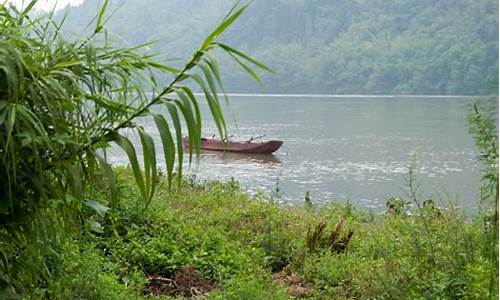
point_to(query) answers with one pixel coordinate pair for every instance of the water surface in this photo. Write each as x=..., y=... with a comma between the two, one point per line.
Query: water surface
x=350, y=149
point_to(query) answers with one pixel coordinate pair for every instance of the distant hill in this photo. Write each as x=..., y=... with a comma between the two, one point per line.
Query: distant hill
x=327, y=46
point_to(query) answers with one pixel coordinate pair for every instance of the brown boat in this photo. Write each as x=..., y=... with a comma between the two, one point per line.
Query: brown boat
x=239, y=147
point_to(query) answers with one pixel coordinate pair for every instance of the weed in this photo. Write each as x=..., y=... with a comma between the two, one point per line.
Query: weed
x=315, y=238
x=396, y=206
x=307, y=200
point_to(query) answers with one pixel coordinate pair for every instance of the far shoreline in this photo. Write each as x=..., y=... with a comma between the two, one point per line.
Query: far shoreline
x=346, y=95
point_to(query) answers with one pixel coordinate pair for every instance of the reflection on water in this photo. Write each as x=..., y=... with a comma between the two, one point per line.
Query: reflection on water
x=231, y=157
x=347, y=148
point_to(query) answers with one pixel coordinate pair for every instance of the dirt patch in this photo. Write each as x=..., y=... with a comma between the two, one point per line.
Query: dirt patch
x=295, y=286
x=186, y=282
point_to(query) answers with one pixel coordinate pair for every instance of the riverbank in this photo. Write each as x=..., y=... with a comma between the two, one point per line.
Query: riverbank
x=212, y=241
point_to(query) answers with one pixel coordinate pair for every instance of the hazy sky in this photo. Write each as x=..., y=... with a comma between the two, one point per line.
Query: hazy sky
x=46, y=4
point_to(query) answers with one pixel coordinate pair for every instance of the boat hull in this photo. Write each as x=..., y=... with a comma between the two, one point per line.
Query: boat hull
x=239, y=147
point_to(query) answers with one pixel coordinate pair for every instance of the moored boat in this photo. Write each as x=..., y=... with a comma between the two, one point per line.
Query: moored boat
x=239, y=147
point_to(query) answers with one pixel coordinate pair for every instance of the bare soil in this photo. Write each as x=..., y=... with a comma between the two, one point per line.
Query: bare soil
x=295, y=286
x=186, y=282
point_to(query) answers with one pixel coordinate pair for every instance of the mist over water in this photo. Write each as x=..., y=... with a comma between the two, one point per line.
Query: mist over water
x=347, y=149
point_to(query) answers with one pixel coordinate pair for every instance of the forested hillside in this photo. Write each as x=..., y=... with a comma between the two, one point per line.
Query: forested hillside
x=328, y=46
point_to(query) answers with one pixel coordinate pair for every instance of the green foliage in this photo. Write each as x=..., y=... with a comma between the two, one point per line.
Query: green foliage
x=396, y=206
x=278, y=245
x=48, y=261
x=251, y=287
x=62, y=104
x=483, y=121
x=392, y=259
x=332, y=46
x=239, y=241
x=484, y=127
x=72, y=227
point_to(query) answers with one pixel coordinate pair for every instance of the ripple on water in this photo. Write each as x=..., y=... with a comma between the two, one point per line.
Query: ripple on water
x=333, y=155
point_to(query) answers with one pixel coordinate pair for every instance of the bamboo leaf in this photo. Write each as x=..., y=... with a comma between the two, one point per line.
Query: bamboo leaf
x=212, y=64
x=98, y=207
x=76, y=180
x=168, y=145
x=26, y=11
x=213, y=105
x=129, y=149
x=108, y=103
x=164, y=67
x=67, y=64
x=189, y=123
x=215, y=99
x=197, y=113
x=194, y=135
x=246, y=68
x=244, y=56
x=100, y=17
x=108, y=172
x=11, y=113
x=223, y=26
x=149, y=154
x=209, y=79
x=91, y=163
x=34, y=122
x=178, y=132
x=233, y=8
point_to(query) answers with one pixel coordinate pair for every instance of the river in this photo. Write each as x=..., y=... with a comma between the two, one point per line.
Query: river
x=354, y=149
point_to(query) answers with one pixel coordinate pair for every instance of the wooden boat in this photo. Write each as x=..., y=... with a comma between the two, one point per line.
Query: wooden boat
x=239, y=147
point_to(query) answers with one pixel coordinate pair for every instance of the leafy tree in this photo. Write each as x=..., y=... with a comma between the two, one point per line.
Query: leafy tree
x=336, y=46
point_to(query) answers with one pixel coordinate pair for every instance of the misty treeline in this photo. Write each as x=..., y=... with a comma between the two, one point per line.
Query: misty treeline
x=328, y=46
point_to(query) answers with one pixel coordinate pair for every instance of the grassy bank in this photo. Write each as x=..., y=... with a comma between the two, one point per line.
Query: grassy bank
x=211, y=240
